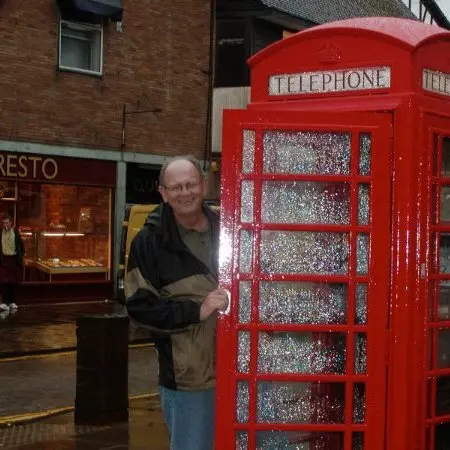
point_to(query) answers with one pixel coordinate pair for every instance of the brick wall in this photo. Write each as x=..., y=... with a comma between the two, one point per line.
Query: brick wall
x=159, y=61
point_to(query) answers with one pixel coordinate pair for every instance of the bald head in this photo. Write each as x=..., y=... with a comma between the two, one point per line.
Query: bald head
x=189, y=159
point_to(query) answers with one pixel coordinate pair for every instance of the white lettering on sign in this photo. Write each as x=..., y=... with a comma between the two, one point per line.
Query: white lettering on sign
x=436, y=81
x=330, y=81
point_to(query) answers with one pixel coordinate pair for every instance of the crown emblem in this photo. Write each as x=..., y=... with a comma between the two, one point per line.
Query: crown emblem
x=329, y=54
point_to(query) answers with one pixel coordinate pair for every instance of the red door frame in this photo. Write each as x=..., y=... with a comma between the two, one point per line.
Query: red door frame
x=380, y=127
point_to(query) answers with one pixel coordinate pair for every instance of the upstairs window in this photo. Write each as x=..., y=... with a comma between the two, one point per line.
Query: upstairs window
x=81, y=47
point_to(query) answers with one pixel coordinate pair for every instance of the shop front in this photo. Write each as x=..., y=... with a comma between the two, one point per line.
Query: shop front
x=62, y=207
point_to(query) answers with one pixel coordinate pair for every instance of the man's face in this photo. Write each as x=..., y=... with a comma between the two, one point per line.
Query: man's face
x=183, y=189
x=6, y=224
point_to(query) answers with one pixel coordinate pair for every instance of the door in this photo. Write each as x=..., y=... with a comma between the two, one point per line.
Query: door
x=305, y=245
x=438, y=286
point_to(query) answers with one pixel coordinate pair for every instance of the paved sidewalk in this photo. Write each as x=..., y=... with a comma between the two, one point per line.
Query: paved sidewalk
x=36, y=384
x=145, y=430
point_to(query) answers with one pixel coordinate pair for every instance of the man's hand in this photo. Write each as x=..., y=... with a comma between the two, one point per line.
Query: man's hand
x=215, y=301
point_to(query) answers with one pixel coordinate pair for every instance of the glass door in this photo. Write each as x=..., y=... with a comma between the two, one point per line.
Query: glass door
x=305, y=254
x=438, y=321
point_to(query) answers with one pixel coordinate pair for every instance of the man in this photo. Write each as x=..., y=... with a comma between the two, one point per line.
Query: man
x=11, y=259
x=171, y=287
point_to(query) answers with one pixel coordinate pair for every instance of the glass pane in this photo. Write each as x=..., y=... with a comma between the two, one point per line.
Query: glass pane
x=358, y=441
x=441, y=436
x=298, y=440
x=445, y=169
x=360, y=353
x=243, y=351
x=445, y=204
x=245, y=251
x=242, y=402
x=444, y=300
x=361, y=304
x=245, y=290
x=304, y=252
x=280, y=352
x=365, y=143
x=8, y=189
x=363, y=204
x=305, y=202
x=362, y=254
x=241, y=440
x=444, y=253
x=359, y=402
x=291, y=302
x=247, y=201
x=248, y=155
x=306, y=152
x=284, y=402
x=443, y=396
x=443, y=349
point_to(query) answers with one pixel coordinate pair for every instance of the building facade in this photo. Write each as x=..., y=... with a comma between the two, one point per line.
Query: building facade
x=92, y=91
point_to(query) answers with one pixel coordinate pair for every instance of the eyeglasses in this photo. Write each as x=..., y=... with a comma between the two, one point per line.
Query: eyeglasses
x=178, y=188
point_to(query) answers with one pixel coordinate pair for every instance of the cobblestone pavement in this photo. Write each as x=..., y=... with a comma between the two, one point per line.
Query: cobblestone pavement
x=145, y=430
x=41, y=383
x=44, y=328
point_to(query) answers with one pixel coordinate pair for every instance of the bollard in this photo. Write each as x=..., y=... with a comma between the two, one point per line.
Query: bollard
x=102, y=369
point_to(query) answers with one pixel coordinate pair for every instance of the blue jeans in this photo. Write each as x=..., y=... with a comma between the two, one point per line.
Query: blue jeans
x=189, y=417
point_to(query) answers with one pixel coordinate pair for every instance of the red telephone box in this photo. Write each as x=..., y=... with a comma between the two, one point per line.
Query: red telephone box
x=336, y=244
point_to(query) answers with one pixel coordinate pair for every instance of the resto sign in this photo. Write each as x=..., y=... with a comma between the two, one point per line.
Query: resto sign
x=370, y=78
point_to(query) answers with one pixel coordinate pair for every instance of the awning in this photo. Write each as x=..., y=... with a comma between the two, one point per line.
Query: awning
x=111, y=9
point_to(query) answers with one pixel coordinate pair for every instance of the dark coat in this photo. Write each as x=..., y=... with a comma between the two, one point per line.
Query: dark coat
x=20, y=248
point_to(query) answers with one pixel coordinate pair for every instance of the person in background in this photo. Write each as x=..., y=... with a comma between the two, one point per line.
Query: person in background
x=11, y=260
x=171, y=287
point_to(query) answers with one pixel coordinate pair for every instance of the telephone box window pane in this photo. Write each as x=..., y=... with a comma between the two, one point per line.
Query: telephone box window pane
x=245, y=251
x=243, y=351
x=298, y=440
x=359, y=402
x=358, y=441
x=362, y=254
x=284, y=402
x=445, y=204
x=303, y=353
x=241, y=440
x=245, y=292
x=306, y=152
x=360, y=353
x=302, y=303
x=444, y=300
x=363, y=204
x=442, y=432
x=247, y=201
x=242, y=402
x=443, y=349
x=361, y=304
x=365, y=144
x=444, y=253
x=304, y=252
x=305, y=202
x=445, y=169
x=443, y=396
x=248, y=155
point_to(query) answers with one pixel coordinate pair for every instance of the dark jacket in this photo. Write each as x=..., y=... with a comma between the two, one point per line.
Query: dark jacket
x=20, y=248
x=165, y=285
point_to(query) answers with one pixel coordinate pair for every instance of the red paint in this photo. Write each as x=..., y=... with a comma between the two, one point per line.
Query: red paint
x=403, y=121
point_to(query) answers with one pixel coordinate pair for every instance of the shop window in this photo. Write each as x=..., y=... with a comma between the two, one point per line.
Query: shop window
x=66, y=230
x=80, y=47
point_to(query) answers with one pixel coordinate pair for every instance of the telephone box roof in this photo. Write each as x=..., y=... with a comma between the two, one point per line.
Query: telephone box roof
x=410, y=33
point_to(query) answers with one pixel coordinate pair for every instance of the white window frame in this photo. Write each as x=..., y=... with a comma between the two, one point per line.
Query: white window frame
x=82, y=27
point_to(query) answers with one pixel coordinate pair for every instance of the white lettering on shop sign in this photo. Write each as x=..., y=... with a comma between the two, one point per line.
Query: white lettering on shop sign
x=27, y=166
x=436, y=81
x=330, y=81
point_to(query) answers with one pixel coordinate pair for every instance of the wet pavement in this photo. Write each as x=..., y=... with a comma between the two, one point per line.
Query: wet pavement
x=145, y=430
x=48, y=328
x=31, y=385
